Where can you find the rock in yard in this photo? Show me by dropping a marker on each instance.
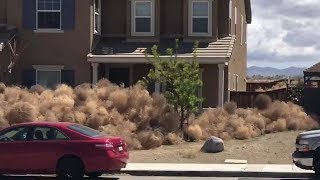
(213, 145)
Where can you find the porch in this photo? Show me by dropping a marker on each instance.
(126, 62)
(127, 74)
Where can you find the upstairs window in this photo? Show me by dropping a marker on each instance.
(241, 36)
(48, 14)
(230, 9)
(230, 15)
(143, 18)
(235, 20)
(200, 18)
(97, 16)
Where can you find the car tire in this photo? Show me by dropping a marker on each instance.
(70, 168)
(94, 174)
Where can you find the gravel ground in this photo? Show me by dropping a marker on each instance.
(268, 149)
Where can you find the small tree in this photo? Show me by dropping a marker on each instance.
(182, 80)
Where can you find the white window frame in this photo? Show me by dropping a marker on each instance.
(48, 68)
(235, 82)
(235, 15)
(133, 18)
(230, 9)
(235, 20)
(97, 13)
(229, 81)
(241, 35)
(48, 29)
(190, 19)
(230, 16)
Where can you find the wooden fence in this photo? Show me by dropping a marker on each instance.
(245, 99)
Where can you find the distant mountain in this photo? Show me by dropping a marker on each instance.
(269, 71)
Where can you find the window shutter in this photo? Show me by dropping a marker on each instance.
(68, 77)
(68, 14)
(29, 14)
(29, 77)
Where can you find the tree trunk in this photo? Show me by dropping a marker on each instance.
(182, 118)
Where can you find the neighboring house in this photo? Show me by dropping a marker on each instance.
(69, 41)
(311, 91)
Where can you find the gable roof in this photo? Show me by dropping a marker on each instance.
(118, 47)
(312, 69)
(248, 11)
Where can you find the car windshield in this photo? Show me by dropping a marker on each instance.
(85, 130)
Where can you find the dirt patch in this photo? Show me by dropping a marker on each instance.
(268, 149)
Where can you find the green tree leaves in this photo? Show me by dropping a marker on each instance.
(182, 80)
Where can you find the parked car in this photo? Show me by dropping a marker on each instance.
(307, 154)
(66, 149)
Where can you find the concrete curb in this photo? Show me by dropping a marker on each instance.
(219, 174)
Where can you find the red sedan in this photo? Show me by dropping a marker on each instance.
(66, 149)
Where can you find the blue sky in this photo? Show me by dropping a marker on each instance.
(284, 33)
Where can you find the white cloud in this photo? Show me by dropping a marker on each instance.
(284, 33)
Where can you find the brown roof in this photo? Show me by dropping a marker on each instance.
(314, 68)
(120, 47)
(248, 11)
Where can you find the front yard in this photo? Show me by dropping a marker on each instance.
(268, 149)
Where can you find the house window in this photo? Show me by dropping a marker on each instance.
(235, 20)
(97, 16)
(241, 36)
(200, 18)
(230, 10)
(48, 14)
(235, 82)
(48, 75)
(230, 15)
(48, 79)
(143, 18)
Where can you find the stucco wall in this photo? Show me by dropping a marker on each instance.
(3, 12)
(238, 61)
(113, 19)
(68, 48)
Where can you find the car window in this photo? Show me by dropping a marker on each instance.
(85, 130)
(16, 134)
(47, 133)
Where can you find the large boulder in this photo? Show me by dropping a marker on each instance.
(213, 145)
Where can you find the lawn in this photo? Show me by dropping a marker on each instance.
(268, 149)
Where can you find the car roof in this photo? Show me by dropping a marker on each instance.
(44, 123)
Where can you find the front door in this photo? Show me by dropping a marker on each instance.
(120, 76)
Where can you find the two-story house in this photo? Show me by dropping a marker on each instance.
(69, 41)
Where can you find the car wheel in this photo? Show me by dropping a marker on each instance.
(70, 168)
(94, 174)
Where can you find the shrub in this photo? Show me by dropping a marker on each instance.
(194, 132)
(2, 88)
(37, 89)
(262, 101)
(242, 132)
(21, 112)
(230, 107)
(150, 139)
(144, 121)
(172, 139)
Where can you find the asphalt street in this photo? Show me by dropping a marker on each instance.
(145, 178)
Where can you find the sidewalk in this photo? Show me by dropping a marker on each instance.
(217, 170)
